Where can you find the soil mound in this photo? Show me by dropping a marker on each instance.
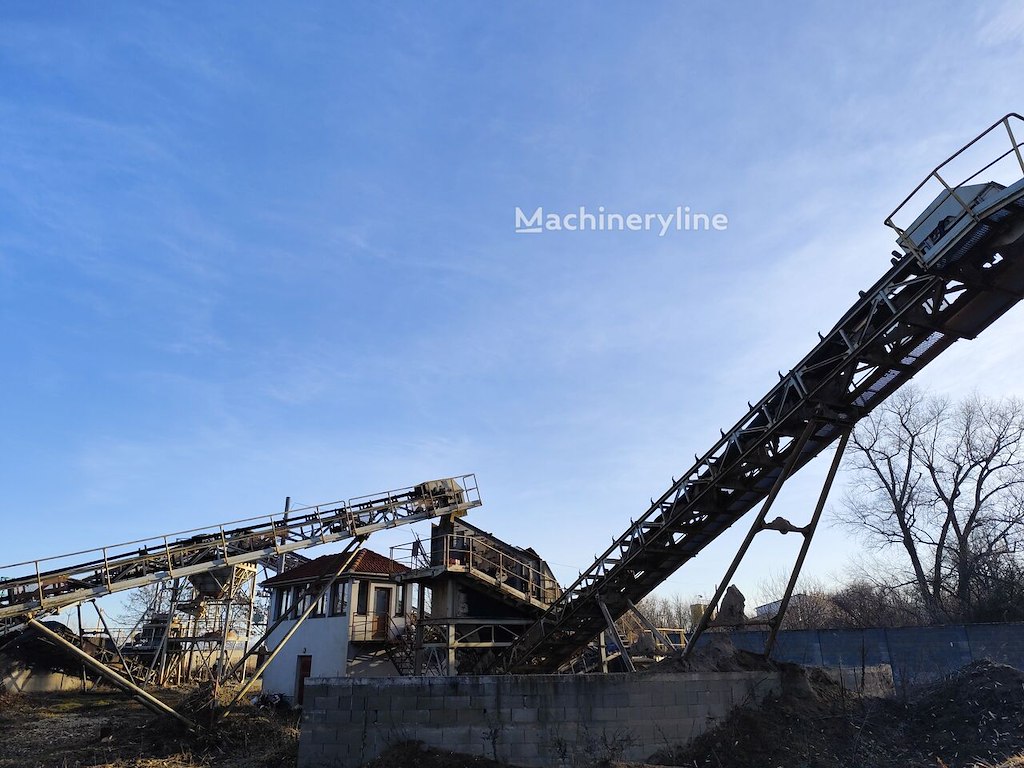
(973, 717)
(977, 714)
(717, 654)
(414, 754)
(815, 723)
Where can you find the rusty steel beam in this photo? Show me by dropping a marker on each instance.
(145, 699)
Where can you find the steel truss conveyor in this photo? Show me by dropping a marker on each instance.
(46, 585)
(961, 268)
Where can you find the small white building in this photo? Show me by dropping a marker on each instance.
(352, 629)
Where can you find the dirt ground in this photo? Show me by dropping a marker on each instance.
(109, 730)
(415, 755)
(975, 718)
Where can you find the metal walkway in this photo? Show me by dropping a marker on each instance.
(49, 584)
(499, 570)
(961, 268)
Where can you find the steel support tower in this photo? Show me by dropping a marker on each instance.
(209, 564)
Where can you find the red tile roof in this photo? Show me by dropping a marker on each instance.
(366, 563)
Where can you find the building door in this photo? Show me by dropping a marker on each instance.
(303, 669)
(381, 612)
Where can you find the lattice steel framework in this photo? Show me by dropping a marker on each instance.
(40, 586)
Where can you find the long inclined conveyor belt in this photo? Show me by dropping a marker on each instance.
(921, 306)
(49, 584)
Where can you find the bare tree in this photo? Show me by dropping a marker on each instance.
(154, 600)
(945, 482)
(137, 604)
(811, 606)
(872, 599)
(862, 603)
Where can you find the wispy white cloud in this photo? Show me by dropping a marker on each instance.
(999, 23)
(273, 256)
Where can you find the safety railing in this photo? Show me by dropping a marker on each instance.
(414, 555)
(483, 559)
(71, 578)
(985, 174)
(379, 627)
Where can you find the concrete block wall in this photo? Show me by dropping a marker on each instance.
(525, 720)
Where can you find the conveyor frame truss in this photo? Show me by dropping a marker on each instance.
(921, 306)
(49, 584)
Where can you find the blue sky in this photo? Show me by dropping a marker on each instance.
(250, 254)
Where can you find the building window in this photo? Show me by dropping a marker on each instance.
(286, 599)
(363, 598)
(304, 600)
(338, 598)
(321, 607)
(401, 599)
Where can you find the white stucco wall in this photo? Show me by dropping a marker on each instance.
(326, 639)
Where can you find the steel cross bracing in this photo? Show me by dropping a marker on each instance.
(905, 320)
(52, 583)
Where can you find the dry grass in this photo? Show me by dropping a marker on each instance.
(107, 730)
